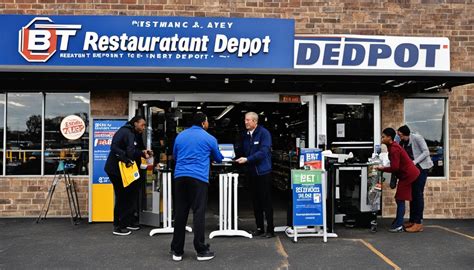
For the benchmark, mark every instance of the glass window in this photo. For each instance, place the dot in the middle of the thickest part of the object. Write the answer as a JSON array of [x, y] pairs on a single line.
[[24, 124], [57, 147], [427, 117]]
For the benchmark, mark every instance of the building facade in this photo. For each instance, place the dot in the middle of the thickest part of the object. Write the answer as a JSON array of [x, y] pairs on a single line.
[[449, 194]]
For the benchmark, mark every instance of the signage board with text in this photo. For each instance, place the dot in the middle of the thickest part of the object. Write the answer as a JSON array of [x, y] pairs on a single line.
[[140, 41]]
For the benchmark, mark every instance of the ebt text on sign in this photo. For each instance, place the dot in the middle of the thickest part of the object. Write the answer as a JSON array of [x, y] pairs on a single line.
[[38, 40]]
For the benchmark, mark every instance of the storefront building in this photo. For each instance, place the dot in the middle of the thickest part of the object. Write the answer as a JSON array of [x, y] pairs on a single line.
[[410, 63]]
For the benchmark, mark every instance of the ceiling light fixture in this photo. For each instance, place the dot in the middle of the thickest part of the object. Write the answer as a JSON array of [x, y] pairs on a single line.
[[225, 111], [435, 87]]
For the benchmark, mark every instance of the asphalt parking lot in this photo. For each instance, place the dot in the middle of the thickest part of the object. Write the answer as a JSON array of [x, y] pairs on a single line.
[[55, 243]]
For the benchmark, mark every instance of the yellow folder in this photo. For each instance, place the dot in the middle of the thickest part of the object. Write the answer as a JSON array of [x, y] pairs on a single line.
[[128, 174]]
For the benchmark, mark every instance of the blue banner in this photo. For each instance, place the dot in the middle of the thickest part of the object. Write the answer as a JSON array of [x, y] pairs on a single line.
[[123, 41], [307, 197], [311, 158], [102, 133]]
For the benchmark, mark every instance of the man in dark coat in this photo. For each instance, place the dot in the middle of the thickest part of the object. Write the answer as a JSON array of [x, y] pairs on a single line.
[[256, 155], [126, 148], [402, 166]]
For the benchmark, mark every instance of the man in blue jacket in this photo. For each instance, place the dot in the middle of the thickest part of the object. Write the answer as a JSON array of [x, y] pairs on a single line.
[[192, 149], [256, 149]]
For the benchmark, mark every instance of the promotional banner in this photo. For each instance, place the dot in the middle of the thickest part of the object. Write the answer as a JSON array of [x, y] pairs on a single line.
[[311, 158], [372, 52], [102, 133], [114, 41], [307, 197]]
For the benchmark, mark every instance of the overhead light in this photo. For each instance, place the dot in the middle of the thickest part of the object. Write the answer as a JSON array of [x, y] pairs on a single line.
[[250, 80], [156, 110], [389, 81], [436, 87], [273, 80], [198, 107], [226, 80], [168, 80], [225, 111], [192, 77]]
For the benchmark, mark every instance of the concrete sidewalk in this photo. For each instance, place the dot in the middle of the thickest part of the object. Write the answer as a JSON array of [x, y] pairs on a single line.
[[55, 243]]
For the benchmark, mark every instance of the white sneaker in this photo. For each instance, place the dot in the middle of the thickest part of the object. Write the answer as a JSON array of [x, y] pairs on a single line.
[[396, 230], [176, 257], [205, 256], [121, 232]]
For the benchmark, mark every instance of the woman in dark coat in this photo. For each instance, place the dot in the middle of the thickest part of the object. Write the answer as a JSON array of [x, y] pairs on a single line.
[[402, 166]]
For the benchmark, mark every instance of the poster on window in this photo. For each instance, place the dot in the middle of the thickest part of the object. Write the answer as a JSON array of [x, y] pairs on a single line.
[[340, 130], [307, 197], [103, 131], [72, 127]]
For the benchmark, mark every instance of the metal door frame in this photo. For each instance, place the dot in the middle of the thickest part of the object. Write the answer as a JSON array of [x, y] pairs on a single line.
[[323, 100]]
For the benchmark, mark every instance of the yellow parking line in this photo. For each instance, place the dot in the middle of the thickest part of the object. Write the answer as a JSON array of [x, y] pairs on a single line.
[[376, 252], [450, 230], [281, 250]]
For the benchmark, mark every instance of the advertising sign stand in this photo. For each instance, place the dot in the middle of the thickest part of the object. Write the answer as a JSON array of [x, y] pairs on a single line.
[[228, 202], [309, 198], [317, 231], [61, 173], [167, 207]]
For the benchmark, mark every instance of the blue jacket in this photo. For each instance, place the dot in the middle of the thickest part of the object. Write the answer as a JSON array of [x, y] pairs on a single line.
[[257, 149], [191, 151]]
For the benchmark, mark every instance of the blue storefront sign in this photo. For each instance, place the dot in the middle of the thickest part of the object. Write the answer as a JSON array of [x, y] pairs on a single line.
[[307, 197], [124, 41], [103, 131]]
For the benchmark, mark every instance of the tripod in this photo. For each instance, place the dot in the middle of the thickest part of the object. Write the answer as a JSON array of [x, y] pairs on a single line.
[[61, 173]]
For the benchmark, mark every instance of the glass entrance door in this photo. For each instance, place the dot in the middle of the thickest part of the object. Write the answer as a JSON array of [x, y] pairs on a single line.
[[350, 124]]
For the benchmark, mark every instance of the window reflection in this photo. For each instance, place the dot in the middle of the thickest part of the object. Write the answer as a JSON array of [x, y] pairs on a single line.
[[57, 147], [24, 123], [427, 117]]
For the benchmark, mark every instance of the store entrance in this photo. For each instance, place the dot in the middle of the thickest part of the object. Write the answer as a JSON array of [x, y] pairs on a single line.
[[288, 124], [351, 125]]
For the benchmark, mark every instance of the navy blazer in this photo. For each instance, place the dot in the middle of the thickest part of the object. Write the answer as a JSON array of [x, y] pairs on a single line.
[[257, 149]]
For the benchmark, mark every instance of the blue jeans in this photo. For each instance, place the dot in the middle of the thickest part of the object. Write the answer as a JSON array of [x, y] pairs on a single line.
[[400, 213], [417, 204]]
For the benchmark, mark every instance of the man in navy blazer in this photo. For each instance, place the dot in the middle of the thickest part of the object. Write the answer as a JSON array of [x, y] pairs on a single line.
[[256, 151]]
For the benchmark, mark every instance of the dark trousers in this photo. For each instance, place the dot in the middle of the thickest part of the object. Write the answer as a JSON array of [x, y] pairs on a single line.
[[400, 213], [190, 193], [125, 199], [261, 191], [417, 204]]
